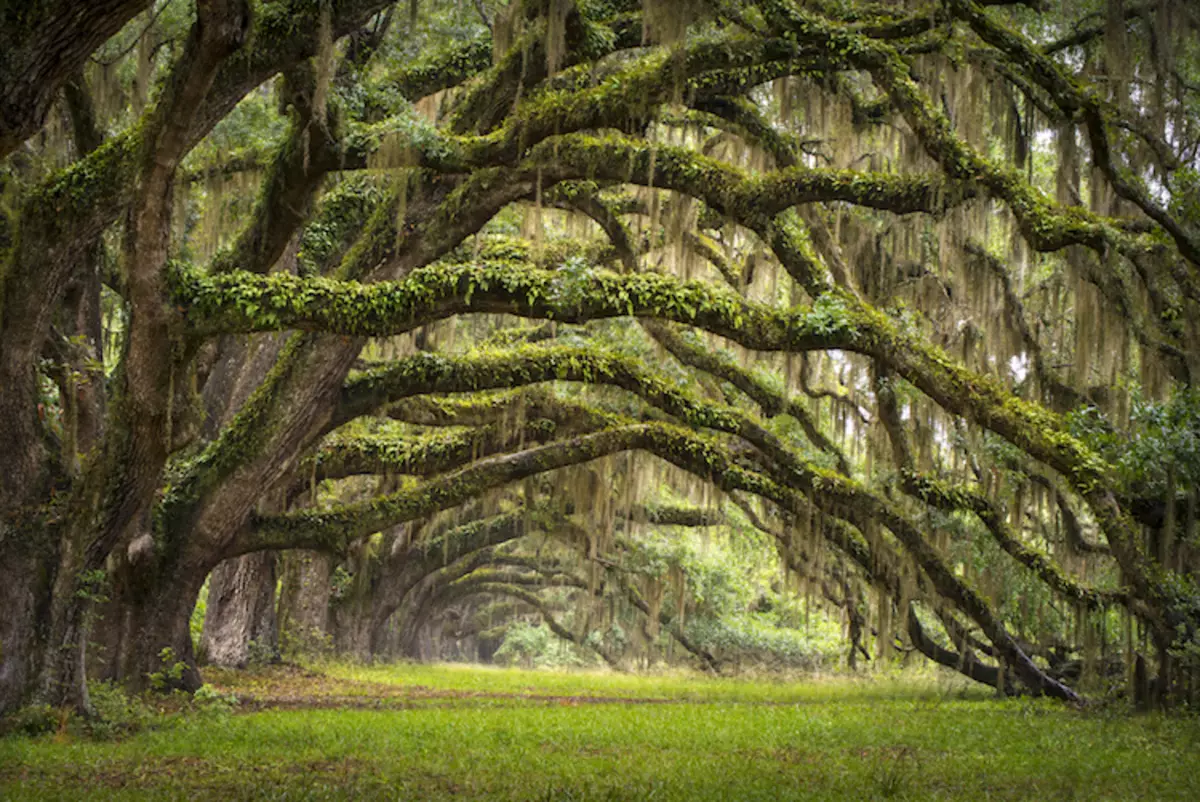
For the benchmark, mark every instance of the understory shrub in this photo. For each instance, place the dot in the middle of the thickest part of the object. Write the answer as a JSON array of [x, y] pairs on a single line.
[[116, 712]]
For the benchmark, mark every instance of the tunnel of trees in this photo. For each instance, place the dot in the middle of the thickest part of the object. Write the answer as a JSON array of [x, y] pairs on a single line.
[[439, 319]]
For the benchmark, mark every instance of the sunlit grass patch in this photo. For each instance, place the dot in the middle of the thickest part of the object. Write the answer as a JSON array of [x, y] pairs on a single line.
[[445, 732], [677, 685]]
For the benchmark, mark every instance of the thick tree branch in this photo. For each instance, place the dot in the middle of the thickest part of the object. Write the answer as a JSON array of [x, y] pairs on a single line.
[[42, 44]]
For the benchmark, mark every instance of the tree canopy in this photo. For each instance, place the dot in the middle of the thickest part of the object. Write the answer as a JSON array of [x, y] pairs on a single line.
[[501, 296]]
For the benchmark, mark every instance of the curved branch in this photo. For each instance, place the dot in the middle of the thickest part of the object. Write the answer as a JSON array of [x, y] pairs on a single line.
[[851, 501], [237, 302], [41, 46]]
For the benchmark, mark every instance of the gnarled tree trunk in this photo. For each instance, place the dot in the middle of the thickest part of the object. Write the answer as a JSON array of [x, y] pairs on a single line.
[[24, 592], [240, 623], [303, 611]]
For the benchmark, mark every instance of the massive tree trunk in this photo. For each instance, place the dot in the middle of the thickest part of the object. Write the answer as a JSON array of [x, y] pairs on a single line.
[[24, 592], [160, 653], [352, 628], [240, 623], [112, 632], [123, 481], [241, 591], [303, 612]]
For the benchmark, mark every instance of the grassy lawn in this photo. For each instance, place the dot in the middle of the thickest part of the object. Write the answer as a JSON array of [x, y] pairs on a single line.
[[440, 732]]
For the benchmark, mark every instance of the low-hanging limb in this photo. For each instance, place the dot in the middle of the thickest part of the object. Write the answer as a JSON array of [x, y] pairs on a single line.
[[427, 567], [949, 497], [520, 587], [558, 629], [423, 455], [673, 515], [501, 407], [676, 517], [963, 661], [542, 363], [238, 302]]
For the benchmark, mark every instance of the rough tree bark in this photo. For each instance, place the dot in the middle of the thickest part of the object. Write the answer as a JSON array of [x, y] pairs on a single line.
[[240, 622], [303, 611]]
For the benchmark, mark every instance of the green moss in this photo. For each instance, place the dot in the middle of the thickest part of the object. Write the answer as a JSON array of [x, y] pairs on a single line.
[[442, 69], [189, 478], [102, 177], [343, 213]]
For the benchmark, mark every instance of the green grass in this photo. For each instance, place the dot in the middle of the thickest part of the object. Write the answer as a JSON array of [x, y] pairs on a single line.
[[682, 686], [447, 733]]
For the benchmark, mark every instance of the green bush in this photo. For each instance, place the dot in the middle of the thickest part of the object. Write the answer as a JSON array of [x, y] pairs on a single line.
[[261, 653], [535, 647], [171, 673], [33, 720], [210, 699], [116, 712], [756, 639], [523, 644]]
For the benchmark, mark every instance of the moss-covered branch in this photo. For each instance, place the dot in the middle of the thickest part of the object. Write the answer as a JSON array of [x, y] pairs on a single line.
[[237, 302], [547, 363], [1072, 97], [491, 409], [30, 79], [241, 303], [422, 455], [310, 150], [623, 97], [442, 69], [675, 515], [331, 529], [948, 497], [769, 399], [525, 65], [750, 199]]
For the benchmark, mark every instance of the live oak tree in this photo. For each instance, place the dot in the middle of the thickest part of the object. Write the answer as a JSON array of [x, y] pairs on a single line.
[[910, 286]]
